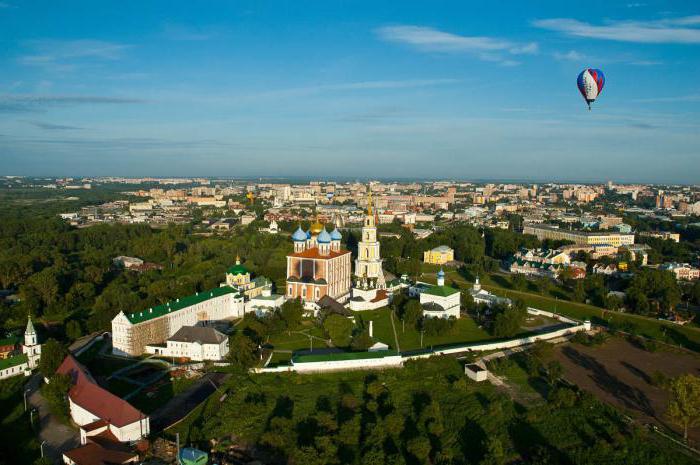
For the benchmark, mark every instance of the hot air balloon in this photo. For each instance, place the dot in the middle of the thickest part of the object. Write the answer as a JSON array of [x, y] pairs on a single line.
[[590, 83]]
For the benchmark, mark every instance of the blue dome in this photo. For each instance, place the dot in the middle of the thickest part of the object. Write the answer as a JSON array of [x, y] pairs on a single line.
[[299, 235], [441, 274], [324, 237], [308, 234], [335, 235]]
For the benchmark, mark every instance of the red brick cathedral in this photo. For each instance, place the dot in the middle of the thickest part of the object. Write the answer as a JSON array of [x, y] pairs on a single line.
[[318, 266]]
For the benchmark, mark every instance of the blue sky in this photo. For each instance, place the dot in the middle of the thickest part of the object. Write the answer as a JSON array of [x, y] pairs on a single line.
[[470, 90]]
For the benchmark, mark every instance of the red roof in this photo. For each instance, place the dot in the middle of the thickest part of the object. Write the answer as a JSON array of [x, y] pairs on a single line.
[[313, 253], [95, 399], [95, 454], [380, 295]]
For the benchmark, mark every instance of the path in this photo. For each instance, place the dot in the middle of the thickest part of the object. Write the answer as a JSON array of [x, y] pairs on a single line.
[[396, 336], [58, 436]]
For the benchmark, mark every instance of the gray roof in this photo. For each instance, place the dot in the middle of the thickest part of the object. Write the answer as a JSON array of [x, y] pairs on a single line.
[[201, 334]]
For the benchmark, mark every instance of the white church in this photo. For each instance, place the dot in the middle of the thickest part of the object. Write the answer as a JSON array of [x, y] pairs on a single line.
[[369, 286], [24, 361]]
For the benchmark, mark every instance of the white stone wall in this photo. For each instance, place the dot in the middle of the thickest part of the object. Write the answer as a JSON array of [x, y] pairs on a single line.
[[357, 364]]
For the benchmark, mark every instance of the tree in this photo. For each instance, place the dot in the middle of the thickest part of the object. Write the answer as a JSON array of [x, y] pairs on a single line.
[[509, 321], [361, 341], [73, 330], [241, 352], [519, 282], [292, 312], [52, 355], [544, 284], [338, 328], [554, 372], [684, 402], [56, 394], [412, 312]]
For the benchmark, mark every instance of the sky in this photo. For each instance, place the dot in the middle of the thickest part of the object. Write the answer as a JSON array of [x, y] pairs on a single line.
[[432, 89]]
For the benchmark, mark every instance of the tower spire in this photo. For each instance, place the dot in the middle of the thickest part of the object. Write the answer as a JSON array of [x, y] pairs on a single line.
[[369, 199]]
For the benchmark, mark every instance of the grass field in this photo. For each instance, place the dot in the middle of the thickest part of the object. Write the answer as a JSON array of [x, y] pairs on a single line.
[[687, 337]]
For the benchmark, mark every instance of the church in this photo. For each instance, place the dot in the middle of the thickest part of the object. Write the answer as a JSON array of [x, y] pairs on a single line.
[[16, 359], [369, 289], [318, 267]]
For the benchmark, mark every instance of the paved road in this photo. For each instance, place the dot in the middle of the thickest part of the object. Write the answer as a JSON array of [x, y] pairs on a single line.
[[59, 437], [182, 404]]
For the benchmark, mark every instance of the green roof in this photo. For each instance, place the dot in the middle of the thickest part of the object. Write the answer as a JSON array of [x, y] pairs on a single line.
[[9, 341], [174, 305], [442, 291], [338, 356], [237, 269], [13, 361]]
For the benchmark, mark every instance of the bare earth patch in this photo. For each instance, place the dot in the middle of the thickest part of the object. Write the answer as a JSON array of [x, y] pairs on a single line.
[[621, 374]]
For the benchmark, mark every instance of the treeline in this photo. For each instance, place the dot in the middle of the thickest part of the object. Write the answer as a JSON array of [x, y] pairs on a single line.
[[63, 273]]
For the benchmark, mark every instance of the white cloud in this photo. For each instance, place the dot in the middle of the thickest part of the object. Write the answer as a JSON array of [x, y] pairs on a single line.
[[674, 30], [571, 55], [427, 39], [62, 54]]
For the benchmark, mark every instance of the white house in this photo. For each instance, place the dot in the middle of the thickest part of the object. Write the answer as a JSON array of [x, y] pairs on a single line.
[[197, 343], [90, 403], [440, 301]]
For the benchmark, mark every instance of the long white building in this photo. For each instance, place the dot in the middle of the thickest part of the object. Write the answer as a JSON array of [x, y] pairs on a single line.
[[132, 332]]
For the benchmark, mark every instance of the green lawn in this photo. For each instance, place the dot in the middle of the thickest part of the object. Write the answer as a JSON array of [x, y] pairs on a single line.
[[687, 337]]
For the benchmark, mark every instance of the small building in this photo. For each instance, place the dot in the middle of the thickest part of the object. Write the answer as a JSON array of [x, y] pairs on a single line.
[[89, 403], [482, 296], [475, 372], [197, 343], [238, 277], [439, 255], [264, 303], [440, 301], [20, 360]]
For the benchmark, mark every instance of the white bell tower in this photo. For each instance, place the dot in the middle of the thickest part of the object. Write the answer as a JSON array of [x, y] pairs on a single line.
[[31, 347]]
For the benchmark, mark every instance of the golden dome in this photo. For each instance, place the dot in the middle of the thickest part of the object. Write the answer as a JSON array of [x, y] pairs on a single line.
[[316, 228]]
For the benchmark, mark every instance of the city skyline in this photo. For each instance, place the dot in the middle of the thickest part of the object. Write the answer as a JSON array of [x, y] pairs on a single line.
[[271, 90]]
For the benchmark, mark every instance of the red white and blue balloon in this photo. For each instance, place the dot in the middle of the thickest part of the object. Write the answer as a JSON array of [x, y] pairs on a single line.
[[590, 84]]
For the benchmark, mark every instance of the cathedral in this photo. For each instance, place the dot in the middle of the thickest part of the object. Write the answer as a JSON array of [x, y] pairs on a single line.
[[319, 266], [369, 289]]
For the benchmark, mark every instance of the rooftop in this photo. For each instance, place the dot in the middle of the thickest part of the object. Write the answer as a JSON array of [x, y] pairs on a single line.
[[441, 291], [178, 304], [201, 334], [13, 361]]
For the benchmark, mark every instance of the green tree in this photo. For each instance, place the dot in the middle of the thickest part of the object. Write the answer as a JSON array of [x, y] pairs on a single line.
[[242, 351], [412, 312], [52, 355], [508, 322], [56, 394], [73, 330], [338, 328], [361, 341], [684, 402], [554, 372], [519, 282], [292, 312]]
